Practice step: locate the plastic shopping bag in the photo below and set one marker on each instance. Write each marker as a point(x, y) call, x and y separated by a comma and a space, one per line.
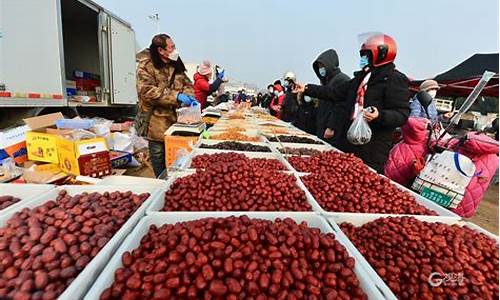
point(360, 132)
point(189, 115)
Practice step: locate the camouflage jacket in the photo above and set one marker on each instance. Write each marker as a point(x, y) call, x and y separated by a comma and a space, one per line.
point(157, 97)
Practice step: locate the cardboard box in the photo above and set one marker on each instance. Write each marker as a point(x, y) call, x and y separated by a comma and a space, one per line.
point(42, 146)
point(86, 157)
point(175, 143)
point(120, 158)
point(85, 75)
point(89, 157)
point(13, 144)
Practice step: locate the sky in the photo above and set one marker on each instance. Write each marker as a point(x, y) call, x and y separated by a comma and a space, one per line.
point(258, 41)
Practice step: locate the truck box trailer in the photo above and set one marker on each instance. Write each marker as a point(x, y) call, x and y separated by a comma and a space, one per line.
point(49, 48)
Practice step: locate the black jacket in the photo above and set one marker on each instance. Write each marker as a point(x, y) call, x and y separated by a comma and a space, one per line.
point(306, 117)
point(388, 92)
point(290, 107)
point(334, 77)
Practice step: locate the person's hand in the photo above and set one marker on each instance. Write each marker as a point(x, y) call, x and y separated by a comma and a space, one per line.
point(448, 115)
point(370, 116)
point(299, 88)
point(186, 100)
point(220, 74)
point(328, 133)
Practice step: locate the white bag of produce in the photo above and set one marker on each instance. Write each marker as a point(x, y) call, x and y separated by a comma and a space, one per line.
point(444, 178)
point(360, 132)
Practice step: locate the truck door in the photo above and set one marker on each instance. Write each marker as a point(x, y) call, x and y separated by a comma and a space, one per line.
point(31, 60)
point(122, 54)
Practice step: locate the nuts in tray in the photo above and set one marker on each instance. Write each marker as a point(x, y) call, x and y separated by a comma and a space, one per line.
point(299, 151)
point(426, 260)
point(43, 249)
point(236, 258)
point(235, 136)
point(236, 146)
point(294, 139)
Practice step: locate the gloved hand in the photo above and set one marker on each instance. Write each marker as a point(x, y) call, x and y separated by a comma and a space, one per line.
point(195, 103)
point(186, 100)
point(220, 74)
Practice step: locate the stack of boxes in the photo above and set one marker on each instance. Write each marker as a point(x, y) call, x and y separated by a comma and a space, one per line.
point(84, 84)
point(88, 157)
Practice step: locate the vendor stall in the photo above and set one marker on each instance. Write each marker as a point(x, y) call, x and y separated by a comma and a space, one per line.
point(254, 208)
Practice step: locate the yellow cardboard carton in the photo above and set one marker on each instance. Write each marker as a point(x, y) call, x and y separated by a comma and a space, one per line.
point(42, 146)
point(88, 157)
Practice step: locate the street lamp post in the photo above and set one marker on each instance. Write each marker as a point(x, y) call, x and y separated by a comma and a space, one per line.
point(156, 18)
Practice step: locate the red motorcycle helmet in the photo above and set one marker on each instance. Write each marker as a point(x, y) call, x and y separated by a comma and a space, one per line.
point(381, 49)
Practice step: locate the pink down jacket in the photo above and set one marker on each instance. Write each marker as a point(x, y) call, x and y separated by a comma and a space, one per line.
point(481, 149)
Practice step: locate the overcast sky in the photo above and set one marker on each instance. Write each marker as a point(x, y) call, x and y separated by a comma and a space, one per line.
point(258, 40)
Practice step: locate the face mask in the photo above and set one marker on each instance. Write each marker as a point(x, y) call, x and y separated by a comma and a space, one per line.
point(174, 55)
point(285, 83)
point(322, 72)
point(432, 93)
point(276, 93)
point(364, 61)
point(271, 90)
point(307, 99)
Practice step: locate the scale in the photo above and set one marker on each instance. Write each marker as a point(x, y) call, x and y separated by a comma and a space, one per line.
point(179, 129)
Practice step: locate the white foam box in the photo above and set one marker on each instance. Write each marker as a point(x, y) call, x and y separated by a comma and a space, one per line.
point(158, 203)
point(84, 280)
point(133, 181)
point(360, 219)
point(266, 155)
point(441, 211)
point(322, 148)
point(25, 192)
point(106, 278)
point(312, 137)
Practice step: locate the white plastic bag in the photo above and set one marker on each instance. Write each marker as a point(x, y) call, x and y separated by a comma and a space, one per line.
point(189, 115)
point(360, 132)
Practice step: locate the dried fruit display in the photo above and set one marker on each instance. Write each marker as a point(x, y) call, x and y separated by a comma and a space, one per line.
point(236, 258)
point(425, 260)
point(42, 250)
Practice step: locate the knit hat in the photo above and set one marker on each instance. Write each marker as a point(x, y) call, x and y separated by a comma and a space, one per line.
point(429, 85)
point(205, 68)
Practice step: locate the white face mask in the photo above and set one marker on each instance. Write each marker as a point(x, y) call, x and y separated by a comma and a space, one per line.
point(307, 99)
point(174, 55)
point(276, 93)
point(432, 93)
point(271, 90)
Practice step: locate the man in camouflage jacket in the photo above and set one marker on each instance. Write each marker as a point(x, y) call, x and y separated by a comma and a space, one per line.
point(162, 85)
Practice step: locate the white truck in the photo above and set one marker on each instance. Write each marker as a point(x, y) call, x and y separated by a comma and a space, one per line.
point(43, 42)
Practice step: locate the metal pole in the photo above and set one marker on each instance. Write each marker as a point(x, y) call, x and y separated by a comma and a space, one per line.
point(156, 19)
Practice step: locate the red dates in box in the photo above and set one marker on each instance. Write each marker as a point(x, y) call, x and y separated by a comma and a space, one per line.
point(342, 183)
point(236, 258)
point(424, 260)
point(236, 186)
point(204, 161)
point(43, 249)
point(6, 201)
